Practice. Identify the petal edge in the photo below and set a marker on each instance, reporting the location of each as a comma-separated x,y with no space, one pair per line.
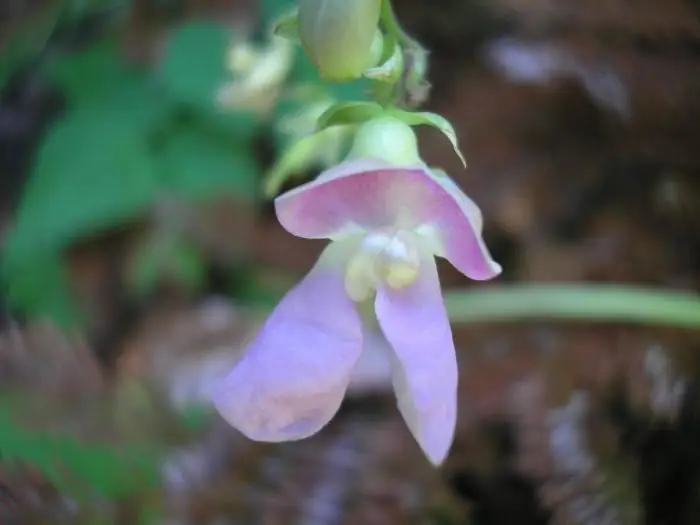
292,378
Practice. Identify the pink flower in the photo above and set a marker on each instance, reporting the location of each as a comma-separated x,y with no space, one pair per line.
386,223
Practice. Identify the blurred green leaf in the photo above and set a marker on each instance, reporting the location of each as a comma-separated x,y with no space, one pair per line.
258,287
172,257
193,70
91,75
187,266
38,287
144,270
77,468
198,164
92,171
194,63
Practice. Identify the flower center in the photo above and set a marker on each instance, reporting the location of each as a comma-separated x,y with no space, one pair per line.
382,260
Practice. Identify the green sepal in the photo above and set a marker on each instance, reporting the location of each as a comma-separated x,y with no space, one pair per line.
303,155
347,113
434,120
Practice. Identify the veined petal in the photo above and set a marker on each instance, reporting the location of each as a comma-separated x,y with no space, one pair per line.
370,194
415,323
344,200
459,233
292,378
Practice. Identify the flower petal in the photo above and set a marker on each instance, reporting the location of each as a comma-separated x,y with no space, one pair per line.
292,378
415,322
346,199
458,231
370,194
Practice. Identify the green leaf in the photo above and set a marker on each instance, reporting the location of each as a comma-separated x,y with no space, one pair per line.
193,66
198,164
100,71
145,266
193,70
345,113
92,171
434,120
38,286
170,257
79,469
187,266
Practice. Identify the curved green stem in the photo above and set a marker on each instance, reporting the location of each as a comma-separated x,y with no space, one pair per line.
594,302
393,26
413,89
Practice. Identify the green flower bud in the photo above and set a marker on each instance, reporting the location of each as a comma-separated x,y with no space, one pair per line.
386,138
341,37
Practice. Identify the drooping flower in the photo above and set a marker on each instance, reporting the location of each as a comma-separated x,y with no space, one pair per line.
387,221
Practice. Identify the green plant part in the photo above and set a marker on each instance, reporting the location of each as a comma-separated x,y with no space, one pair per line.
588,302
390,70
434,120
80,469
309,148
341,38
415,87
344,113
388,139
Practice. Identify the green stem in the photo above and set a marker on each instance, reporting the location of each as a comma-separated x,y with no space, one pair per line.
392,25
594,302
412,91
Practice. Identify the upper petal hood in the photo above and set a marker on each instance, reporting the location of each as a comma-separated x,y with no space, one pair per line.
370,194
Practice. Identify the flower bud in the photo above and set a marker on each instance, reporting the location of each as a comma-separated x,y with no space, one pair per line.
386,138
341,37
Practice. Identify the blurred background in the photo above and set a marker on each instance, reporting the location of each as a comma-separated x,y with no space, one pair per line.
139,255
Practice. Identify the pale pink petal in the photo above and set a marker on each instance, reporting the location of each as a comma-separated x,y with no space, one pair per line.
349,197
415,323
292,378
459,234
369,194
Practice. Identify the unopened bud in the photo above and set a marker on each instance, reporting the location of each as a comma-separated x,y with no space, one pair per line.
341,37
